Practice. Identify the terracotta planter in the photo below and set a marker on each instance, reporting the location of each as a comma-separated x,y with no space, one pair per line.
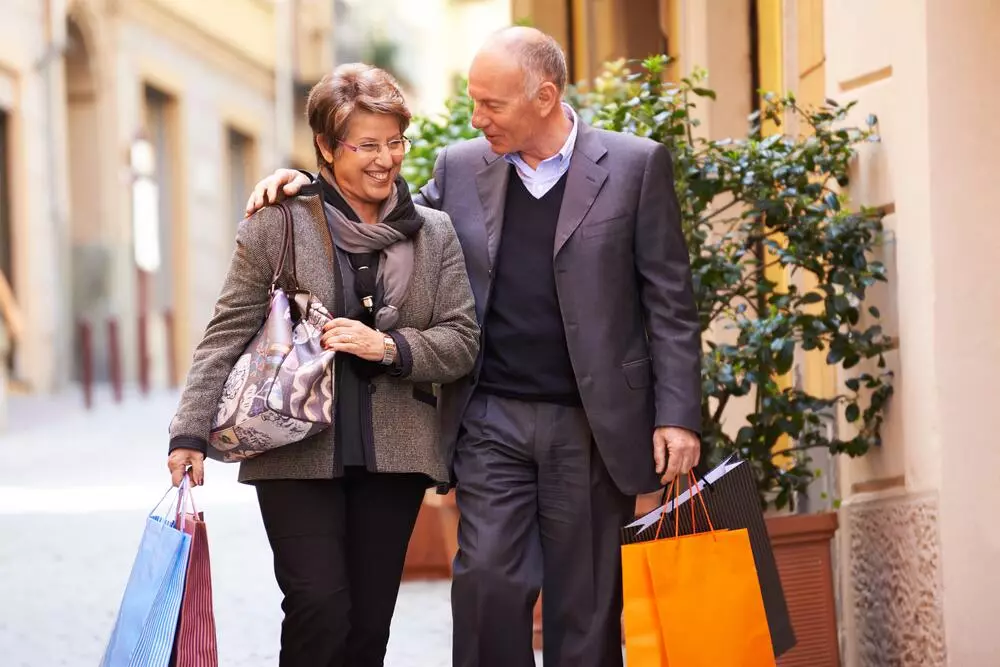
802,550
435,539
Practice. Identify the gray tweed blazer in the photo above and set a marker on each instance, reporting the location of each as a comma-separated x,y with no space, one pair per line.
437,321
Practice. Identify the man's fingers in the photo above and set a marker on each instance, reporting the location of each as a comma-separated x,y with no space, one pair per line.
291,189
272,191
673,465
659,455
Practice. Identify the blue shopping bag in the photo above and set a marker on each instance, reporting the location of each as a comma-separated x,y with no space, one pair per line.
143,634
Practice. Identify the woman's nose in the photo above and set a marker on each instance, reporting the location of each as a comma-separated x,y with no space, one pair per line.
384,158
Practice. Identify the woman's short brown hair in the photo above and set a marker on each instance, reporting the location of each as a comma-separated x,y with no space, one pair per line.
346,89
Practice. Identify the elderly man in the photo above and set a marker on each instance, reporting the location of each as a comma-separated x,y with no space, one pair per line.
587,390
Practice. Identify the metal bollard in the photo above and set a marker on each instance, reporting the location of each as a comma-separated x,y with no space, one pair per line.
86,362
114,360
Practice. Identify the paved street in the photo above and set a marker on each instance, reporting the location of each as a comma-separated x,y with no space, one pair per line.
75,488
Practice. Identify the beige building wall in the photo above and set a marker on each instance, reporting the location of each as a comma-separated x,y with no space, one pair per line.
921,586
30,87
75,78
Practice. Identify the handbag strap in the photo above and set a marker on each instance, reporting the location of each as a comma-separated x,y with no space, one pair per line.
287,249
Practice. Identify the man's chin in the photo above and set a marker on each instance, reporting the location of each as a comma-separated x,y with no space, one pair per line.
498,146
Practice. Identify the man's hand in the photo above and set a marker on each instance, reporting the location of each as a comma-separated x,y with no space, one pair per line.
676,449
274,188
353,337
178,463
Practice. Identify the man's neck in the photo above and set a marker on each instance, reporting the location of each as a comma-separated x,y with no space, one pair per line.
550,140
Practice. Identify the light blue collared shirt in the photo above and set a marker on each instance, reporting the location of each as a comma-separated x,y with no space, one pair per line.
541,180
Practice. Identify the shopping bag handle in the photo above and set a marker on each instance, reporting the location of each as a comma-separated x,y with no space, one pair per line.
183,492
695,490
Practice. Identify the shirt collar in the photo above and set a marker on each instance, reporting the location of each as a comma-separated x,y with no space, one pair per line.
565,153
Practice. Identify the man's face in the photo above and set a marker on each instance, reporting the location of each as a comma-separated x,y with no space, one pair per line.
502,111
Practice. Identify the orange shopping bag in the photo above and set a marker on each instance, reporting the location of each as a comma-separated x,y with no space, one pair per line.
702,592
644,646
643,642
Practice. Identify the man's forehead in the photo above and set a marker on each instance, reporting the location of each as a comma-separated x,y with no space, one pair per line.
488,83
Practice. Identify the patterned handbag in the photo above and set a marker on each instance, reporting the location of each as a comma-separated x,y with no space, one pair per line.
280,391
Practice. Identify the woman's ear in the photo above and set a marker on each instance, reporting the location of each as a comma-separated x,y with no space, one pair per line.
324,148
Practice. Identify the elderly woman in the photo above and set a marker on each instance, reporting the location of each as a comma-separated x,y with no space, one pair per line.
339,506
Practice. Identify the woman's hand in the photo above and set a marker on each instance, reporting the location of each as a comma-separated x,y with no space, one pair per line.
178,463
353,337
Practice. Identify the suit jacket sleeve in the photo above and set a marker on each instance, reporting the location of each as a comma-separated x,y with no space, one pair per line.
432,194
672,322
446,351
239,312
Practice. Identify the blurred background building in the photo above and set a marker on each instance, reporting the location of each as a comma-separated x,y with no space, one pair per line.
132,130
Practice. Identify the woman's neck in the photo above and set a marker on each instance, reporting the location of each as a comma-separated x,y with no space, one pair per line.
366,211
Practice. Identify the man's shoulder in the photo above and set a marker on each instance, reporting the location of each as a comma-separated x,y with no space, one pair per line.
467,151
620,142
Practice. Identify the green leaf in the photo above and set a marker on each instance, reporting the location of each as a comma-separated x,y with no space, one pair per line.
852,413
810,298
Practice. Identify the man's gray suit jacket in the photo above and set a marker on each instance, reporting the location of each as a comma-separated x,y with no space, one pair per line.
623,280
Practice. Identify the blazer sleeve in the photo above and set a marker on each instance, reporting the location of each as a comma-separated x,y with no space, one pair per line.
432,194
447,349
667,297
239,313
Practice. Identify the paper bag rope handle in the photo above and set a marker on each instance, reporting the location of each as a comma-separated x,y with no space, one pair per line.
695,490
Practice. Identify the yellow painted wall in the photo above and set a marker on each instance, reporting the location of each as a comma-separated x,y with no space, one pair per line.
246,26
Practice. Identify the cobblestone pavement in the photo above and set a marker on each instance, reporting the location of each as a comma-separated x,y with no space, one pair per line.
75,488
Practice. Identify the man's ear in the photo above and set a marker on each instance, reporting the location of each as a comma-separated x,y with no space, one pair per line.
548,98
324,148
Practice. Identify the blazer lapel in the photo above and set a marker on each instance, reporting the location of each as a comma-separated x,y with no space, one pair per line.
583,183
491,181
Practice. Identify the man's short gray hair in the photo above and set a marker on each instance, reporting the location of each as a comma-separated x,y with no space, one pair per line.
540,57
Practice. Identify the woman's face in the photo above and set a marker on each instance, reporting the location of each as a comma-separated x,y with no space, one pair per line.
368,159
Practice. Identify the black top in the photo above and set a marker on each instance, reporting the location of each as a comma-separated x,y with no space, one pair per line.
353,375
353,432
525,355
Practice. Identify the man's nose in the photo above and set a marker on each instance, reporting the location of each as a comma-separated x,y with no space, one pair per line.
478,121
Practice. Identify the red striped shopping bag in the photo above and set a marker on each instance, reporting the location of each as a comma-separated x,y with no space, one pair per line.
195,644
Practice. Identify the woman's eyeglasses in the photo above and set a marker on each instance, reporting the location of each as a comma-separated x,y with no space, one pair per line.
372,148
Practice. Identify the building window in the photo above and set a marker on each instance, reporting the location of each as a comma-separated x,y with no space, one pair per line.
161,131
240,154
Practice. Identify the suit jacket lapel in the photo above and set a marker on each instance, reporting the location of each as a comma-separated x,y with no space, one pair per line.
583,183
491,181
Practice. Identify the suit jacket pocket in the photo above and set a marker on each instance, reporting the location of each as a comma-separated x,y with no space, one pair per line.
424,392
638,374
617,226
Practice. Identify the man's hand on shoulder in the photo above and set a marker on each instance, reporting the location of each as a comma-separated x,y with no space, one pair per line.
675,451
272,189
